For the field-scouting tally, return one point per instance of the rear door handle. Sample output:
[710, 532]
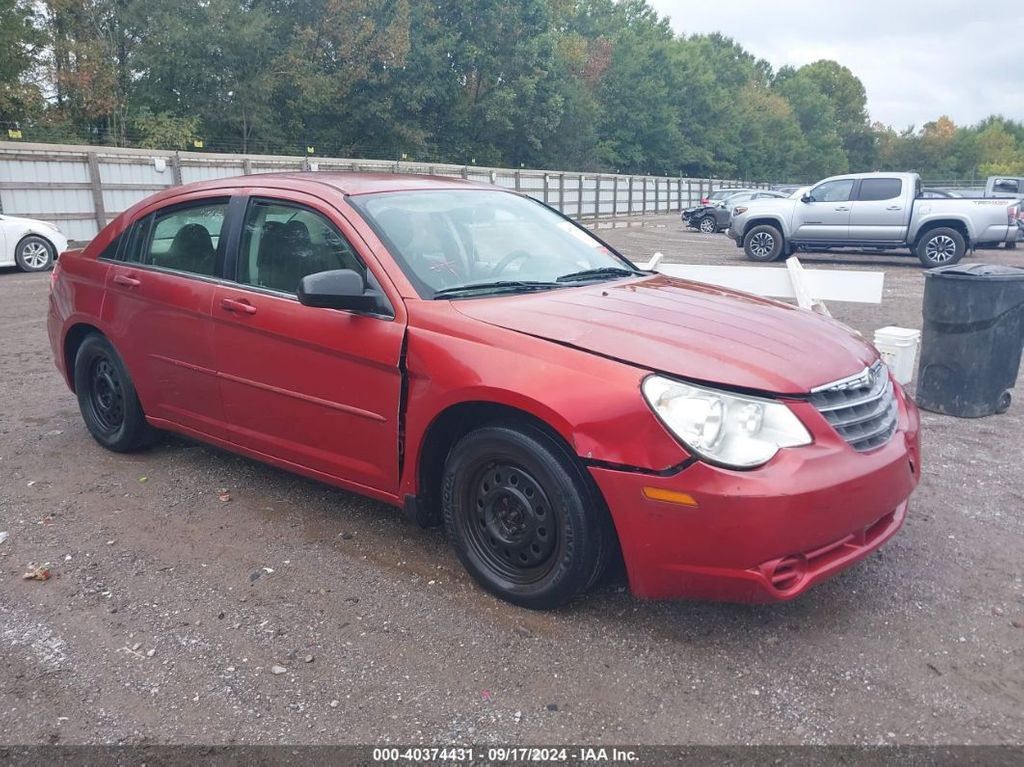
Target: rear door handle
[894, 207]
[842, 208]
[237, 306]
[126, 281]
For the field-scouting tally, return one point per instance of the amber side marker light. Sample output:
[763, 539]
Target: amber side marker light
[669, 496]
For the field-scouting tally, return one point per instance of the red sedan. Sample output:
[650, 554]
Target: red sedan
[472, 356]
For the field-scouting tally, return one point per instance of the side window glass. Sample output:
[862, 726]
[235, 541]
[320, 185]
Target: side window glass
[872, 189]
[833, 191]
[183, 239]
[282, 243]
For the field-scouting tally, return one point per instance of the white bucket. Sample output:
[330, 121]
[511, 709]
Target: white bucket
[898, 347]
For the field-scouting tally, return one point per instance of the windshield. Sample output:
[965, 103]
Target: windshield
[484, 241]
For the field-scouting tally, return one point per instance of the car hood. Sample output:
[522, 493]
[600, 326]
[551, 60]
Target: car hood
[688, 329]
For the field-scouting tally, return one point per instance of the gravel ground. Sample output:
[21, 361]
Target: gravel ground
[296, 613]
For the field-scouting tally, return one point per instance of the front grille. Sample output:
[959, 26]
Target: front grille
[862, 409]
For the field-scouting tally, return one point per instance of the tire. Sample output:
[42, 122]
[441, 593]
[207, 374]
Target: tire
[523, 518]
[708, 225]
[107, 398]
[764, 243]
[940, 247]
[34, 254]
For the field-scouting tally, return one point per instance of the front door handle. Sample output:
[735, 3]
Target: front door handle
[237, 306]
[894, 207]
[842, 207]
[126, 281]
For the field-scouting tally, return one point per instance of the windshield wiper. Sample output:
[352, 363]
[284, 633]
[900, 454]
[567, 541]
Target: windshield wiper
[596, 274]
[502, 286]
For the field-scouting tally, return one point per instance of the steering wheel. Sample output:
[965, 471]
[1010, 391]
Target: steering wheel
[508, 260]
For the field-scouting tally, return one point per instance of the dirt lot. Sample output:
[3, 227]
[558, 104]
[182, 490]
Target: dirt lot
[169, 608]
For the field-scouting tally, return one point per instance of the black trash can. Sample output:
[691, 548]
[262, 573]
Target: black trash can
[972, 340]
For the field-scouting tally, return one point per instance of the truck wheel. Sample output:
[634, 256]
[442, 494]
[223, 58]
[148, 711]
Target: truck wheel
[708, 225]
[764, 243]
[940, 247]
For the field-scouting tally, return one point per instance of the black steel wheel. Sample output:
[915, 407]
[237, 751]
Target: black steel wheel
[107, 398]
[523, 518]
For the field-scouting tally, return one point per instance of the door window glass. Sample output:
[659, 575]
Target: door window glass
[183, 239]
[880, 189]
[833, 191]
[282, 243]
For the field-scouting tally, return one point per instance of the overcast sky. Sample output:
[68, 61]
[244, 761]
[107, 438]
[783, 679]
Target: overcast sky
[918, 59]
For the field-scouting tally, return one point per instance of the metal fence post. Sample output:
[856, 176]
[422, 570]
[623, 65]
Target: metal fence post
[176, 168]
[96, 185]
[689, 193]
[579, 200]
[562, 207]
[615, 195]
[657, 195]
[465, 171]
[597, 196]
[547, 194]
[629, 199]
[246, 166]
[643, 211]
[519, 181]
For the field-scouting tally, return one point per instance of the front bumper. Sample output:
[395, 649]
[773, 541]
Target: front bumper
[770, 534]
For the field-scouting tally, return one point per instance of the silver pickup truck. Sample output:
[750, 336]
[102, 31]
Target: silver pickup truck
[875, 211]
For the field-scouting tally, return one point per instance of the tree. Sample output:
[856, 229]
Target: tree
[848, 98]
[20, 42]
[817, 117]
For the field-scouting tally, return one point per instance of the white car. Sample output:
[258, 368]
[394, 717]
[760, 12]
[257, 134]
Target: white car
[29, 244]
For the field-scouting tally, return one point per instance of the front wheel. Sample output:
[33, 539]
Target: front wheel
[522, 517]
[763, 243]
[107, 398]
[708, 225]
[941, 247]
[34, 254]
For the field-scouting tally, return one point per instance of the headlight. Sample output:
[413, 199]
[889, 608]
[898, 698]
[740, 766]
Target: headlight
[730, 429]
[738, 211]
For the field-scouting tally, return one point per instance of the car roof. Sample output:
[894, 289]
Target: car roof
[347, 183]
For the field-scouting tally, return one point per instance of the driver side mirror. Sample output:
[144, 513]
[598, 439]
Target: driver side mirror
[340, 289]
[806, 198]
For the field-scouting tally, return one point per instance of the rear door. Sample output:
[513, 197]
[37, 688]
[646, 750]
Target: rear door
[157, 305]
[317, 388]
[879, 213]
[826, 216]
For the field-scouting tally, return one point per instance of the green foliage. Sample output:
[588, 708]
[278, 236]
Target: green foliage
[20, 45]
[599, 85]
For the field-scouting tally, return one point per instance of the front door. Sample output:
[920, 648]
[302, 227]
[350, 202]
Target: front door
[317, 388]
[157, 305]
[826, 214]
[879, 213]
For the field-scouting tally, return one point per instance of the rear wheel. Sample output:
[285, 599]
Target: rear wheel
[763, 243]
[523, 518]
[34, 254]
[708, 225]
[940, 247]
[107, 398]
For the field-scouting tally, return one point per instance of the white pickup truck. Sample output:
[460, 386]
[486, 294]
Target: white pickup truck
[873, 211]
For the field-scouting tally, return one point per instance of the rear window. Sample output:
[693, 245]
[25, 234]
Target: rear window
[1008, 185]
[880, 189]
